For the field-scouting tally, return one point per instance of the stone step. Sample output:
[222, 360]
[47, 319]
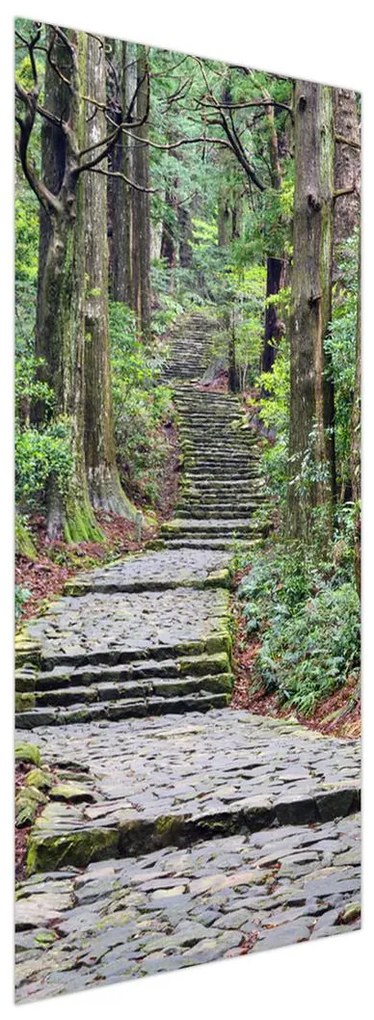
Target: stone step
[229, 544]
[114, 691]
[214, 510]
[228, 772]
[171, 527]
[170, 668]
[218, 531]
[116, 710]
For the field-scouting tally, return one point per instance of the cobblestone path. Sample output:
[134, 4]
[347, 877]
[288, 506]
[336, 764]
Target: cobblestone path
[178, 831]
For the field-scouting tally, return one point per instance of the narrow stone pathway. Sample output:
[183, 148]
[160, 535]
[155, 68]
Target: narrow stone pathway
[178, 830]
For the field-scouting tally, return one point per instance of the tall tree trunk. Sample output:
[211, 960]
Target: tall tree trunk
[355, 447]
[275, 280]
[168, 236]
[141, 239]
[103, 480]
[275, 267]
[310, 405]
[121, 160]
[224, 214]
[347, 167]
[347, 179]
[185, 236]
[60, 318]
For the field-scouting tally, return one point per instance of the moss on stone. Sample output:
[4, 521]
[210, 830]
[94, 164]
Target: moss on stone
[76, 849]
[39, 779]
[27, 753]
[24, 701]
[27, 802]
[168, 829]
[71, 792]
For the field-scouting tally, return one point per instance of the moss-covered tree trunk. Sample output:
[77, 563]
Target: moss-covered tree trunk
[356, 445]
[60, 318]
[311, 458]
[141, 236]
[120, 203]
[103, 481]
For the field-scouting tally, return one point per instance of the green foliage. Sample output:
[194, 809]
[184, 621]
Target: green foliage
[28, 388]
[274, 410]
[21, 595]
[340, 347]
[306, 615]
[247, 321]
[39, 454]
[141, 406]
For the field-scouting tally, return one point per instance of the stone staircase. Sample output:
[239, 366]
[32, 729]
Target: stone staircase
[150, 635]
[191, 348]
[222, 486]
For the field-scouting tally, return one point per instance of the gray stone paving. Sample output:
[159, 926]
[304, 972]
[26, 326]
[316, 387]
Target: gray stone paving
[157, 782]
[156, 570]
[175, 908]
[144, 622]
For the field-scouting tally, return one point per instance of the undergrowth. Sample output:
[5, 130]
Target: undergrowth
[304, 612]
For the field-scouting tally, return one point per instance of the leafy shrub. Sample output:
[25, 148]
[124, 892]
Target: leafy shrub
[306, 615]
[39, 454]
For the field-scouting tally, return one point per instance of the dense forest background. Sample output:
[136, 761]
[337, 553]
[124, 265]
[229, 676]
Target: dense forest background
[150, 184]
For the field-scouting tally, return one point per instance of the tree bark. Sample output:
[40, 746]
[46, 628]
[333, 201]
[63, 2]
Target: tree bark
[356, 444]
[141, 239]
[310, 405]
[103, 481]
[347, 168]
[275, 267]
[60, 317]
[121, 160]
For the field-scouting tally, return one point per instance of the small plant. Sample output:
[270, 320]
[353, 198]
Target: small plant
[21, 596]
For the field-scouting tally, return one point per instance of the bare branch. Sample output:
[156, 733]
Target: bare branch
[116, 173]
[53, 63]
[166, 146]
[47, 200]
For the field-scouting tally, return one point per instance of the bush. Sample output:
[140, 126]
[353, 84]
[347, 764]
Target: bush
[307, 618]
[39, 454]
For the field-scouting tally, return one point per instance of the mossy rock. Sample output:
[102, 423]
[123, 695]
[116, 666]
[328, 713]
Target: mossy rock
[75, 588]
[24, 701]
[27, 802]
[27, 651]
[43, 939]
[78, 849]
[25, 679]
[39, 779]
[350, 914]
[27, 753]
[71, 792]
